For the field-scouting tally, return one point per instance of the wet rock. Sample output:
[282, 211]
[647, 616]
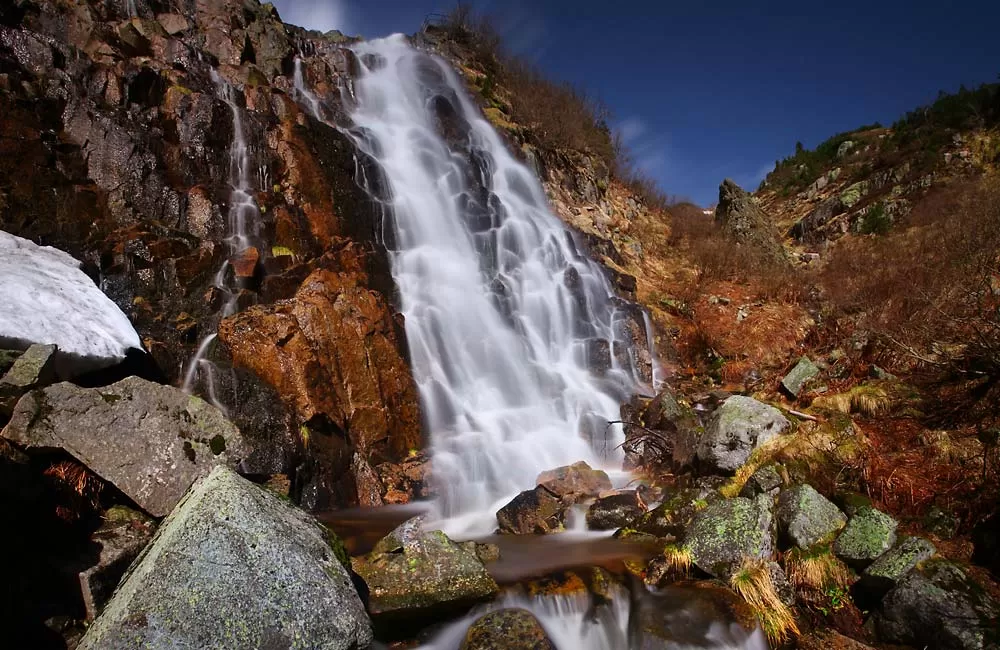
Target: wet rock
[120, 538]
[234, 567]
[724, 533]
[740, 425]
[151, 441]
[414, 575]
[829, 640]
[765, 480]
[507, 629]
[807, 517]
[803, 372]
[245, 263]
[886, 572]
[574, 483]
[938, 606]
[536, 511]
[407, 480]
[33, 369]
[332, 354]
[869, 534]
[698, 615]
[615, 510]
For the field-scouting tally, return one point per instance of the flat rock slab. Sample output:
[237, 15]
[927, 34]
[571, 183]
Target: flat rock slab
[151, 441]
[234, 567]
[33, 369]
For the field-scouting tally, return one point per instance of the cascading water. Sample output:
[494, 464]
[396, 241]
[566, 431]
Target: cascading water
[502, 313]
[243, 226]
[501, 308]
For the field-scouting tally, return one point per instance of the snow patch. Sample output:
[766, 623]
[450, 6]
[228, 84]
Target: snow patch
[46, 298]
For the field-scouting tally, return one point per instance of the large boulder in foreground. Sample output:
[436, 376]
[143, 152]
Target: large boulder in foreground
[47, 299]
[416, 575]
[151, 441]
[512, 628]
[937, 606]
[234, 567]
[726, 532]
[740, 425]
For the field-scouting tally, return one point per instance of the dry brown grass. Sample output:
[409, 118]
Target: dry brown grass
[758, 458]
[816, 569]
[752, 581]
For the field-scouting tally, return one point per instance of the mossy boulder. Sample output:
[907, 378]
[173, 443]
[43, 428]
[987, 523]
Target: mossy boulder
[806, 517]
[724, 533]
[507, 629]
[868, 534]
[886, 572]
[416, 575]
[803, 372]
[234, 567]
[937, 606]
[739, 426]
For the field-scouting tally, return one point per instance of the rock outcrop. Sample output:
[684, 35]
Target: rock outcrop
[746, 222]
[151, 441]
[234, 567]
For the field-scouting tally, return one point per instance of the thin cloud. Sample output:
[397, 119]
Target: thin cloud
[322, 15]
[646, 149]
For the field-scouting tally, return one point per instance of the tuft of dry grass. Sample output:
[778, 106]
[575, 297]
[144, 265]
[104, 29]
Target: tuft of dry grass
[752, 581]
[870, 401]
[672, 565]
[816, 569]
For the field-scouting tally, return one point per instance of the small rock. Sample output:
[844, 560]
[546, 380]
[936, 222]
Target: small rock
[886, 572]
[507, 629]
[804, 371]
[724, 533]
[765, 480]
[829, 640]
[869, 534]
[878, 373]
[120, 538]
[151, 441]
[938, 606]
[413, 573]
[234, 567]
[173, 23]
[807, 517]
[536, 511]
[33, 369]
[844, 148]
[574, 483]
[245, 263]
[734, 430]
[674, 513]
[940, 523]
[615, 510]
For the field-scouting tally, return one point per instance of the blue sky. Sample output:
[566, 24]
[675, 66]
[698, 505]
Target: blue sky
[706, 90]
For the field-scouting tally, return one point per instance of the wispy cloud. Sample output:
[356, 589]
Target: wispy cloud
[322, 15]
[646, 149]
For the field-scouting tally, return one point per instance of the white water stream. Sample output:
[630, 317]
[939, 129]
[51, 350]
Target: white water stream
[501, 307]
[243, 229]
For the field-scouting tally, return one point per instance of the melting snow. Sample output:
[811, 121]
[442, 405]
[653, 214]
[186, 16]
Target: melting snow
[46, 298]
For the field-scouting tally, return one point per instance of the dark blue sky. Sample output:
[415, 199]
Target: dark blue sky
[703, 91]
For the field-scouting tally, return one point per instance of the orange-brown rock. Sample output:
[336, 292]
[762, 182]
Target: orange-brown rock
[245, 262]
[332, 355]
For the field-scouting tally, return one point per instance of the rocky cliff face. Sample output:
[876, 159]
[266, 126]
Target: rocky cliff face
[114, 146]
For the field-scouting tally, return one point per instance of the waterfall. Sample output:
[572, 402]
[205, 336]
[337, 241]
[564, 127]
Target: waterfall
[242, 228]
[502, 310]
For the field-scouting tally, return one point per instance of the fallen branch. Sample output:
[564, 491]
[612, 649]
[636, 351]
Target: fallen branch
[803, 416]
